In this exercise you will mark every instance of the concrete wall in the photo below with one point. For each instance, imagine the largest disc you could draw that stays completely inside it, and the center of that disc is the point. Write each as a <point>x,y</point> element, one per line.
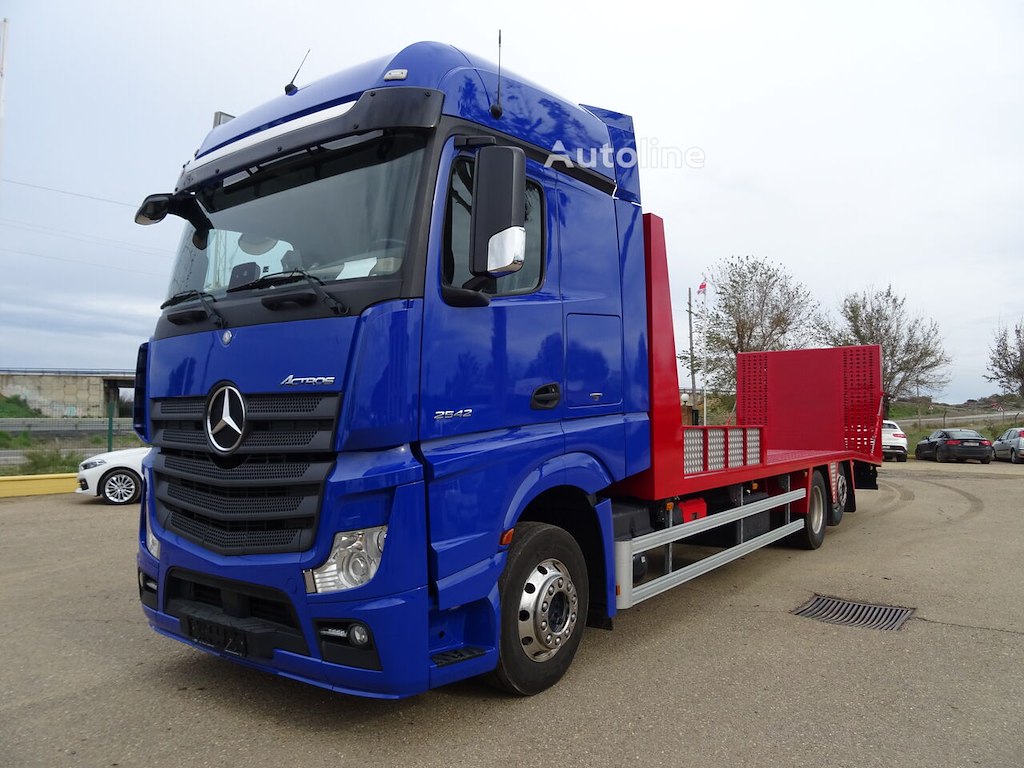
<point>65,393</point>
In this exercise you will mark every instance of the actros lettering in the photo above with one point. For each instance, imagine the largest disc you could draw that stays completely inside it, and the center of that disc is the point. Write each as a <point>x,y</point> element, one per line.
<point>292,380</point>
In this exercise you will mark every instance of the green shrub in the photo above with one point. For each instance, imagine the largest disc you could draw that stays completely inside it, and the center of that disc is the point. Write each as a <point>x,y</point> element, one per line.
<point>16,408</point>
<point>20,440</point>
<point>50,462</point>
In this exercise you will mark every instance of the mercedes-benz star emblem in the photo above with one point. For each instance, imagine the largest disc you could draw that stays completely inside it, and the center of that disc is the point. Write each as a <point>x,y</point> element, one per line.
<point>225,418</point>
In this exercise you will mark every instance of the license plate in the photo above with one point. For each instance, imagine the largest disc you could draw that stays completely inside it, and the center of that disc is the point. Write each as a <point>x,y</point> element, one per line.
<point>970,442</point>
<point>217,636</point>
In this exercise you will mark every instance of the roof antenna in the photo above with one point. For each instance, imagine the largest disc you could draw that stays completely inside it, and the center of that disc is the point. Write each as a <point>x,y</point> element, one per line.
<point>290,89</point>
<point>496,109</point>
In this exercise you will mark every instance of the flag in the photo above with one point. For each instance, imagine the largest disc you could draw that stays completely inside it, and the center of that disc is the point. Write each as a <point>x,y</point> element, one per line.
<point>702,289</point>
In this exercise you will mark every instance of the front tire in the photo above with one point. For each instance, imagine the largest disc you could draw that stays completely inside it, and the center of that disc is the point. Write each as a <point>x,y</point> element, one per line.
<point>544,594</point>
<point>1014,458</point>
<point>120,486</point>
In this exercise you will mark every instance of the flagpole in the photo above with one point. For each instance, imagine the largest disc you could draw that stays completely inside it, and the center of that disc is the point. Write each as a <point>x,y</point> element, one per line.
<point>702,291</point>
<point>693,375</point>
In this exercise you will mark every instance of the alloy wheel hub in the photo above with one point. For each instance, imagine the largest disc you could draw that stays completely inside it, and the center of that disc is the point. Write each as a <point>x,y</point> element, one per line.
<point>548,610</point>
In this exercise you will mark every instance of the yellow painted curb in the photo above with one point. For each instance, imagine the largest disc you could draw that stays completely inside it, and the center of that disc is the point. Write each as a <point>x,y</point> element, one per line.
<point>37,485</point>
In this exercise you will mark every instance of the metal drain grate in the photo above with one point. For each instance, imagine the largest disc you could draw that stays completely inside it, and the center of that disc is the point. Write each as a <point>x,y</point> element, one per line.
<point>850,613</point>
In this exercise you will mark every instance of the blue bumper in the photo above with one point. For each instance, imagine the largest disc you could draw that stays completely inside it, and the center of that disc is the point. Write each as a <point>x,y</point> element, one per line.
<point>398,626</point>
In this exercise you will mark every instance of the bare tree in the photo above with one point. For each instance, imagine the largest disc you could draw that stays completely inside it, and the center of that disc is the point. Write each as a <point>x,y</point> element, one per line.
<point>757,306</point>
<point>1006,360</point>
<point>913,358</point>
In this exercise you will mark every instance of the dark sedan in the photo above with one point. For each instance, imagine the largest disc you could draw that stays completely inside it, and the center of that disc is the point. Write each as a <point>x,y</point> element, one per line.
<point>955,445</point>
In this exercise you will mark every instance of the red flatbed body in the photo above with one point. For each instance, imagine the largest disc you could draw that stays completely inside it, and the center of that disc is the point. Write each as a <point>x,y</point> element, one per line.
<point>795,409</point>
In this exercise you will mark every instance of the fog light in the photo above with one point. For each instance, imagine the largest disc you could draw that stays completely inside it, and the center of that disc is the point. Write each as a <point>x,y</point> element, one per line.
<point>358,635</point>
<point>354,559</point>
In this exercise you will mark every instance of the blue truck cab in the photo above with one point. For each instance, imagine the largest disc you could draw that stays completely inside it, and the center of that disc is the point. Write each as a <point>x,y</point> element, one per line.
<point>403,356</point>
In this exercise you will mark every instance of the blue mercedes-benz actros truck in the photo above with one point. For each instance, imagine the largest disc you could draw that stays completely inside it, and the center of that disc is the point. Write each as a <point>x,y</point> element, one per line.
<point>402,389</point>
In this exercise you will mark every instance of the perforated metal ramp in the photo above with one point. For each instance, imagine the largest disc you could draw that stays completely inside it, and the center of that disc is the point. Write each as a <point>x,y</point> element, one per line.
<point>850,613</point>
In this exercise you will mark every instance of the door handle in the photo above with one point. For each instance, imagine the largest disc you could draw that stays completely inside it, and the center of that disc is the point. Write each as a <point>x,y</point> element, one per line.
<point>546,397</point>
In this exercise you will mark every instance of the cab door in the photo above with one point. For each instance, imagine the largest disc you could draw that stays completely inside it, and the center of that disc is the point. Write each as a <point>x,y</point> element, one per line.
<point>491,387</point>
<point>499,365</point>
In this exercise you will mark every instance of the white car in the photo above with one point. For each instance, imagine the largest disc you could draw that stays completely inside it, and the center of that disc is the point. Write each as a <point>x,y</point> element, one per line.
<point>115,477</point>
<point>894,441</point>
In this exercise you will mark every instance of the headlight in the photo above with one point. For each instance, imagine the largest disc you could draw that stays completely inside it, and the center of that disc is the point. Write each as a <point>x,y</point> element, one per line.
<point>354,559</point>
<point>91,464</point>
<point>152,542</point>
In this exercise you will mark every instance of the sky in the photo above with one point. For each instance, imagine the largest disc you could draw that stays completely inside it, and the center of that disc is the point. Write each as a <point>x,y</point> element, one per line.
<point>853,144</point>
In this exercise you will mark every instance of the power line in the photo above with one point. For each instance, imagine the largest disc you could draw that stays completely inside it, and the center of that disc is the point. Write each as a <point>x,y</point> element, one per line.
<point>84,238</point>
<point>67,192</point>
<point>76,261</point>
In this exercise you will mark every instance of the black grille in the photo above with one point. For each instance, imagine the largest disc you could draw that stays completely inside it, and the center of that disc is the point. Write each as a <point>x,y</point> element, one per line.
<point>263,498</point>
<point>255,469</point>
<point>250,536</point>
<point>234,502</point>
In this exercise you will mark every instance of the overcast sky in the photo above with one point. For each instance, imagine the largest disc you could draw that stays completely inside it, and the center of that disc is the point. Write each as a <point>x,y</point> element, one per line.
<point>855,145</point>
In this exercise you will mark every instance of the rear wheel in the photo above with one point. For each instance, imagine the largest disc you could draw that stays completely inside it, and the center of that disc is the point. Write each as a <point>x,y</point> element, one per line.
<point>835,515</point>
<point>901,457</point>
<point>544,594</point>
<point>813,533</point>
<point>940,455</point>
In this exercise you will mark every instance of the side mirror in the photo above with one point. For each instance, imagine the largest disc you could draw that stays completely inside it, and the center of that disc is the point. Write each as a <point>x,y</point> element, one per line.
<point>153,209</point>
<point>498,226</point>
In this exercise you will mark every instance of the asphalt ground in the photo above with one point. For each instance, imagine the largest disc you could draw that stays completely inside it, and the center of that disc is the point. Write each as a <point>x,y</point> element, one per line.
<point>717,672</point>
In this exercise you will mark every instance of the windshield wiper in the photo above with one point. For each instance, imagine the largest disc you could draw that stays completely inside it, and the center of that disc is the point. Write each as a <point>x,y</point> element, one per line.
<point>206,299</point>
<point>295,276</point>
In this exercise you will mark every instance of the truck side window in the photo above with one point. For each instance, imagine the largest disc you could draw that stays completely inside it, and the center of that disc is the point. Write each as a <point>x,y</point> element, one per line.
<point>455,257</point>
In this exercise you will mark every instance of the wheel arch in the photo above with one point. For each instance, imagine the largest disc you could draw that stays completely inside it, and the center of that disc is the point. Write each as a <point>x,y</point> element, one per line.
<point>562,492</point>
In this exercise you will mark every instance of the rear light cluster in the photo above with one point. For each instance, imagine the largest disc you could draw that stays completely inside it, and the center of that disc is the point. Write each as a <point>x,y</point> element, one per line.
<point>898,434</point>
<point>952,442</point>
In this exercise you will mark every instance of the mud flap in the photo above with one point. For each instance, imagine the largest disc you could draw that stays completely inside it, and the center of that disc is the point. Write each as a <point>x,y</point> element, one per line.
<point>865,475</point>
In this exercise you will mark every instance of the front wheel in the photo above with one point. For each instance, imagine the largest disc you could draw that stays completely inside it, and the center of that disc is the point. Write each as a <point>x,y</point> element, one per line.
<point>544,594</point>
<point>120,486</point>
<point>1014,458</point>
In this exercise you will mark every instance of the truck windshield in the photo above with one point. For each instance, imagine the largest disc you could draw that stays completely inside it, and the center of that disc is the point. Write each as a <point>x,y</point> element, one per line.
<point>339,213</point>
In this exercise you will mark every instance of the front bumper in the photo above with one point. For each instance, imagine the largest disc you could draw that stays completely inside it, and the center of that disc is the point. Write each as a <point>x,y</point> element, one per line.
<point>285,634</point>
